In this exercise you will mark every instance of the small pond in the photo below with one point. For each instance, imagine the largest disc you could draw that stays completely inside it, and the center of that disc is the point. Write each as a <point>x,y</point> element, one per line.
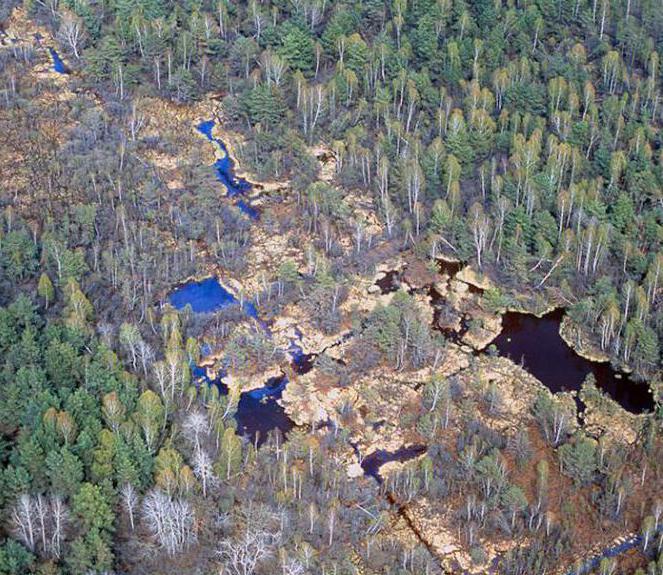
<point>371,463</point>
<point>58,65</point>
<point>449,268</point>
<point>258,411</point>
<point>248,210</point>
<point>536,341</point>
<point>207,296</point>
<point>390,282</point>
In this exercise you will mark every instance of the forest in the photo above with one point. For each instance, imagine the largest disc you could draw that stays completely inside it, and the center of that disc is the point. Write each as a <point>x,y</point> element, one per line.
<point>331,287</point>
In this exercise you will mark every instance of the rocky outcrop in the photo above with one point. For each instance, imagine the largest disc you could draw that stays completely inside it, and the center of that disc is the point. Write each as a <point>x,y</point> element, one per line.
<point>480,337</point>
<point>471,277</point>
<point>247,382</point>
<point>576,338</point>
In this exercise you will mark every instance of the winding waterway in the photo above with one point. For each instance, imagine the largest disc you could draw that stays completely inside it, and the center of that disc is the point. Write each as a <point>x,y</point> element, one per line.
<point>224,168</point>
<point>535,342</point>
<point>525,338</point>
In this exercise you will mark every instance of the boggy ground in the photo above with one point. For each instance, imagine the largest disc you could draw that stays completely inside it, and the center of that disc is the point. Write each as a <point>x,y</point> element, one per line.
<point>379,409</point>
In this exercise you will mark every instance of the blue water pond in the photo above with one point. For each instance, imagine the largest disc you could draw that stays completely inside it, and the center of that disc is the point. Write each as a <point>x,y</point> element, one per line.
<point>58,65</point>
<point>371,463</point>
<point>203,296</point>
<point>207,296</point>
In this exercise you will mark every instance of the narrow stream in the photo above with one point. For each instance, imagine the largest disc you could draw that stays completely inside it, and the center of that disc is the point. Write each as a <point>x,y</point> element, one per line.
<point>631,542</point>
<point>224,168</point>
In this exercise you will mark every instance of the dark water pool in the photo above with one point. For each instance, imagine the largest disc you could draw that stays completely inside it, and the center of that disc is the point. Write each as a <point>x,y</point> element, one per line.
<point>58,65</point>
<point>536,341</point>
<point>301,362</point>
<point>371,463</point>
<point>449,268</point>
<point>631,542</point>
<point>390,282</point>
<point>258,411</point>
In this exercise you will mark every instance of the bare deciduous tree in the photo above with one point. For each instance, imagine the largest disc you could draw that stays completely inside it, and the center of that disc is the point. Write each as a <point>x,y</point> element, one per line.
<point>242,554</point>
<point>59,515</point>
<point>480,230</point>
<point>292,566</point>
<point>195,425</point>
<point>170,520</point>
<point>136,121</point>
<point>39,522</point>
<point>204,469</point>
<point>23,518</point>
<point>129,501</point>
<point>273,66</point>
<point>72,31</point>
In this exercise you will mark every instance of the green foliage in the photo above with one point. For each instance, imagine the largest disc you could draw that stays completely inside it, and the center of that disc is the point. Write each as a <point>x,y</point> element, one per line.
<point>45,289</point>
<point>298,51</point>
<point>230,454</point>
<point>495,300</point>
<point>92,509</point>
<point>18,255</point>
<point>149,416</point>
<point>264,105</point>
<point>65,472</point>
<point>579,459</point>
<point>15,559</point>
<point>79,308</point>
<point>91,550</point>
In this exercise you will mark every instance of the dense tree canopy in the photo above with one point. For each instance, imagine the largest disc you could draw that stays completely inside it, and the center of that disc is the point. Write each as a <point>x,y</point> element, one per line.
<point>520,138</point>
